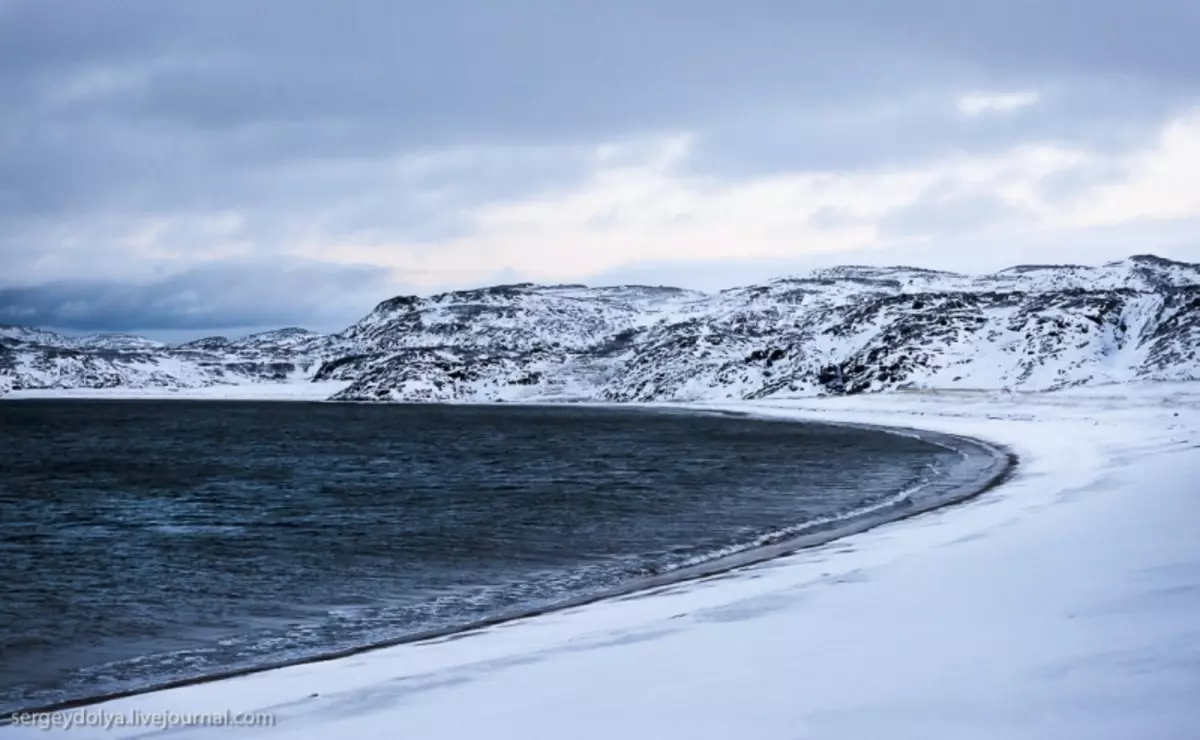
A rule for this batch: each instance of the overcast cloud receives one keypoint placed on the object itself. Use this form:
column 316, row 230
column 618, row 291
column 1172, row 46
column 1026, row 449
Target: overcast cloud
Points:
column 201, row 166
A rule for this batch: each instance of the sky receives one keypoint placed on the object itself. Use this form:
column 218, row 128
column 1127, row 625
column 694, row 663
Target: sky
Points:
column 193, row 167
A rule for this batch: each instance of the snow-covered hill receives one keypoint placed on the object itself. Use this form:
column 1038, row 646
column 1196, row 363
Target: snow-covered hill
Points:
column 35, row 359
column 835, row 330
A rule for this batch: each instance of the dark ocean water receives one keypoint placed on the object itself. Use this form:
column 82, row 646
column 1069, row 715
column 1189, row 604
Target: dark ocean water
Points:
column 146, row 541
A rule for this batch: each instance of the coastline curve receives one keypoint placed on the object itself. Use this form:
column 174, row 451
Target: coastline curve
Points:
column 984, row 466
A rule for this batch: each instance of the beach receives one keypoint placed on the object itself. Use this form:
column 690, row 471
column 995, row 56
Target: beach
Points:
column 1062, row 603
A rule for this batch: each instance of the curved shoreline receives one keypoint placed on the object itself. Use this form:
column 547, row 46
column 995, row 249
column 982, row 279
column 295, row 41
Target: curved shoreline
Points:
column 984, row 466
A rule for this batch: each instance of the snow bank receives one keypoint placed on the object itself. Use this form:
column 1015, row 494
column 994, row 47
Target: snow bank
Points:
column 1063, row 604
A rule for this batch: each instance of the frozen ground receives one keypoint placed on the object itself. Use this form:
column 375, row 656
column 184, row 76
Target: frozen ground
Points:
column 1064, row 604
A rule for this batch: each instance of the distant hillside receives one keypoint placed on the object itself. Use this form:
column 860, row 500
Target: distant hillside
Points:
column 836, row 330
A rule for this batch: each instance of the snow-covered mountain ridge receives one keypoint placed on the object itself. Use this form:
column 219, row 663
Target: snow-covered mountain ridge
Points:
column 835, row 330
column 34, row 359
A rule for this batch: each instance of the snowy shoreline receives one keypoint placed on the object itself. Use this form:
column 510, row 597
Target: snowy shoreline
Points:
column 1060, row 604
column 306, row 391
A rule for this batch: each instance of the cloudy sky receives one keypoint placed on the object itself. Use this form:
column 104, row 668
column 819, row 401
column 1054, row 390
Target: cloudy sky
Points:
column 183, row 167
